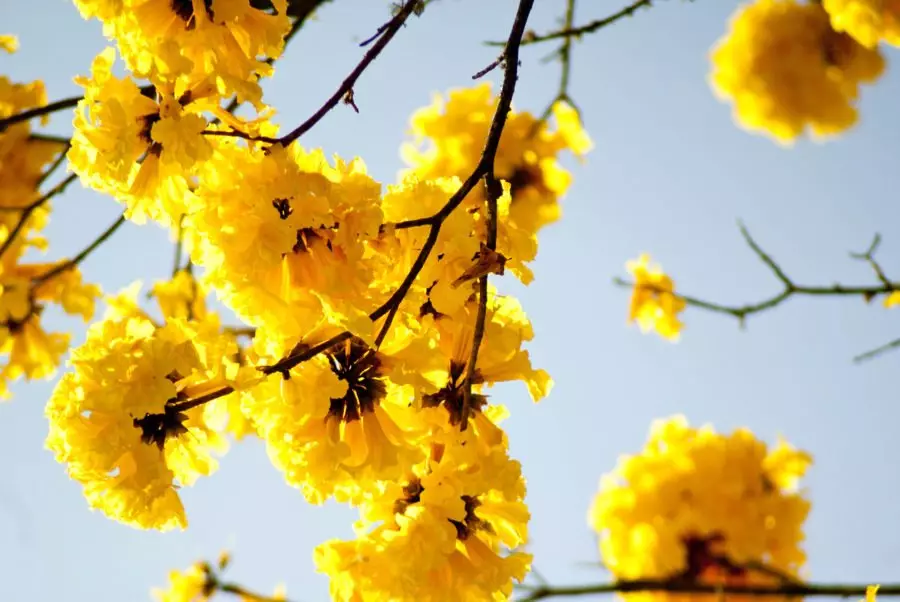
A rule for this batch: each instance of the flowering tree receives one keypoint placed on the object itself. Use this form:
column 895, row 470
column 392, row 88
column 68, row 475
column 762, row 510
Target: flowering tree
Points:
column 360, row 331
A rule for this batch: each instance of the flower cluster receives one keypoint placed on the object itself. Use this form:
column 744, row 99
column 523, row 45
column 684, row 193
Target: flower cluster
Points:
column 27, row 288
column 360, row 393
column 788, row 67
column 703, row 507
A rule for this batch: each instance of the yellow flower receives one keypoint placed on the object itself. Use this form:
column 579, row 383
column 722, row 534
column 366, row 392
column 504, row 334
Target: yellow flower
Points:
column 29, row 351
column 448, row 138
column 9, row 43
column 699, row 505
column 814, row 84
column 124, row 422
column 22, row 160
column 867, row 21
column 191, row 585
column 339, row 423
column 185, row 42
column 139, row 150
column 654, row 304
column 871, row 593
column 892, row 300
column 447, row 532
column 284, row 238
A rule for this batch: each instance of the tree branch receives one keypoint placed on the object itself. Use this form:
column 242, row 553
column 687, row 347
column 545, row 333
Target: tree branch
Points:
column 389, row 308
column 565, row 60
column 799, row 590
column 59, row 105
column 31, row 208
column 66, row 265
column 789, row 289
column 389, row 30
column 576, row 32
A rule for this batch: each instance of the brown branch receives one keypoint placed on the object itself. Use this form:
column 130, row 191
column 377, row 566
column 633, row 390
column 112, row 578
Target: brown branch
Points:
column 790, row 289
column 390, row 30
column 484, row 167
column 31, row 208
column 245, row 594
column 798, row 590
column 493, row 192
column 565, row 59
column 188, row 404
column 873, row 353
column 59, row 105
column 67, row 265
column 577, row 32
column 389, row 308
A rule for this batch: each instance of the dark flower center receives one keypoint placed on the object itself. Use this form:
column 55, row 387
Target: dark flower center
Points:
column 451, row 396
column 359, row 366
column 283, row 207
column 185, row 11
column 412, row 494
column 523, row 177
column 147, row 122
column 156, row 429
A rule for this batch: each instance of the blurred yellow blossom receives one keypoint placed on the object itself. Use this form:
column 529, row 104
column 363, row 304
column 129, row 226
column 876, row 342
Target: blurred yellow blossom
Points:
column 654, row 304
column 814, row 86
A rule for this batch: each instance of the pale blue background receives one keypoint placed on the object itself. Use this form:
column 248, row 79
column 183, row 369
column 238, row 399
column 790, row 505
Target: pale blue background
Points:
column 670, row 175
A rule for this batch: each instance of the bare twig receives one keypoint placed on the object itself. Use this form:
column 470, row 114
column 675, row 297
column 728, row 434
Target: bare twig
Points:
column 869, row 257
column 390, row 30
column 790, row 289
column 565, row 60
column 872, row 354
column 577, row 32
column 31, row 208
column 245, row 594
column 67, row 265
column 799, row 590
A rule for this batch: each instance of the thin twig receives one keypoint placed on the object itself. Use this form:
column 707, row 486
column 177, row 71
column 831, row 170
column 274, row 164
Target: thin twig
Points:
column 59, row 105
column 789, row 290
column 60, row 159
column 541, row 592
column 873, row 353
column 869, row 257
column 49, row 138
column 577, row 32
column 565, row 60
column 245, row 594
column 31, row 208
column 390, row 30
column 66, row 265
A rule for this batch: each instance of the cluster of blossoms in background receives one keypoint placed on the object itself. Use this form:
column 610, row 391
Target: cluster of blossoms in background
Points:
column 369, row 336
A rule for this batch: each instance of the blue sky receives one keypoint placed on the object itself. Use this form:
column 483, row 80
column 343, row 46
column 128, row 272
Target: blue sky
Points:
column 670, row 175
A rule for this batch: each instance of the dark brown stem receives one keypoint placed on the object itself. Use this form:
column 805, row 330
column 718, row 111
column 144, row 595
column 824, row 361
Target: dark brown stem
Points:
column 789, row 289
column 31, row 208
column 793, row 590
column 59, row 105
column 577, row 32
column 390, row 30
column 66, row 265
column 188, row 404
